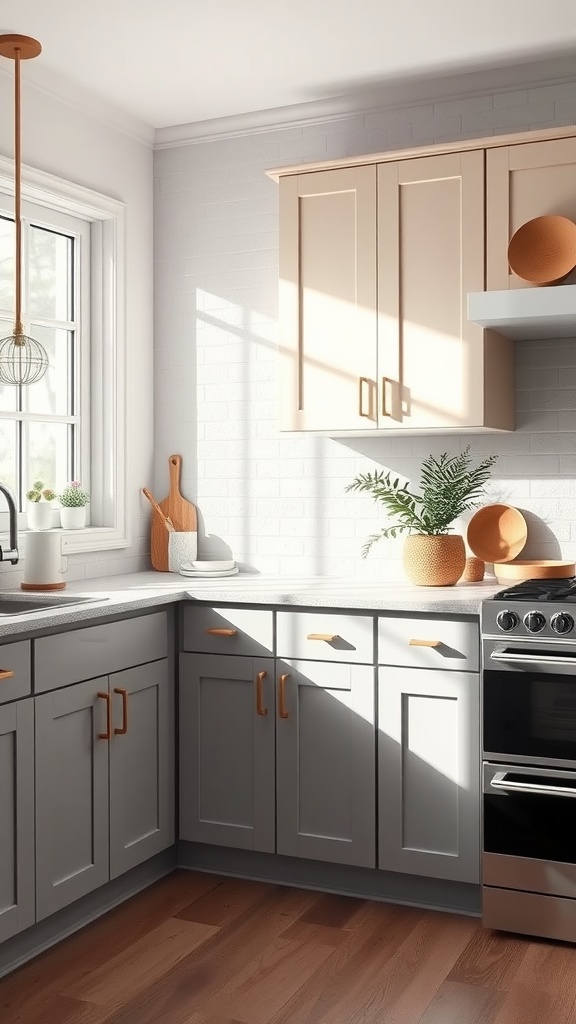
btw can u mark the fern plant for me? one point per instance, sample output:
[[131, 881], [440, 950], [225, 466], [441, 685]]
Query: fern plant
[[450, 485]]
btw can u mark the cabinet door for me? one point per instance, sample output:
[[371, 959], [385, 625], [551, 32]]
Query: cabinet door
[[226, 712], [430, 255], [328, 300], [523, 182], [429, 773], [141, 765], [16, 817], [71, 794], [326, 762]]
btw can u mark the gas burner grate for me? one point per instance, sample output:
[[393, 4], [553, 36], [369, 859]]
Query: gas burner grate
[[540, 590]]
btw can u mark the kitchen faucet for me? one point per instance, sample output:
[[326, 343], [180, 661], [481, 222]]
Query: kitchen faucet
[[12, 554]]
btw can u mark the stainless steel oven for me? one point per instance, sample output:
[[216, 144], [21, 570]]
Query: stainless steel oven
[[529, 786]]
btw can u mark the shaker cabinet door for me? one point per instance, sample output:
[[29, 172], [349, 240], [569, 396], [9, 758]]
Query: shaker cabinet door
[[17, 908], [429, 772], [71, 794], [328, 300], [326, 762], [226, 715], [141, 765]]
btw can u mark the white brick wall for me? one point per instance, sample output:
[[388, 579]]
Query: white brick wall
[[278, 502]]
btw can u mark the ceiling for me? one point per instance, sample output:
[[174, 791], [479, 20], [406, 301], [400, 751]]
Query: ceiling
[[173, 62]]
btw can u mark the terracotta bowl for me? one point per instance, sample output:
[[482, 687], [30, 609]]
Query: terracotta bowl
[[534, 569], [497, 533], [543, 250]]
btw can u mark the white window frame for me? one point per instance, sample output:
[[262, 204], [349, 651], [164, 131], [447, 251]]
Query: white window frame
[[107, 428]]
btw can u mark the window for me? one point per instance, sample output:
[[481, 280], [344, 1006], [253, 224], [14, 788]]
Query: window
[[44, 428], [71, 423]]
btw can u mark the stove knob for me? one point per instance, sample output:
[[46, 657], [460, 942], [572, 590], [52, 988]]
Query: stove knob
[[506, 620], [561, 622], [534, 622]]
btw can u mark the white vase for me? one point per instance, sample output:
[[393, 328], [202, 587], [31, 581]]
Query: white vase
[[73, 518], [39, 515]]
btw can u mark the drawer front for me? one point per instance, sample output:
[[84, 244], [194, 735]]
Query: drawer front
[[323, 636], [248, 631], [99, 650], [16, 658], [429, 643]]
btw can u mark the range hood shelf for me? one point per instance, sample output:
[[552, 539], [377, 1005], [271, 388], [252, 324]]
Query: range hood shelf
[[526, 314]]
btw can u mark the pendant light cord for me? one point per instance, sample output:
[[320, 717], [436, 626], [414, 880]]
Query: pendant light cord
[[18, 326]]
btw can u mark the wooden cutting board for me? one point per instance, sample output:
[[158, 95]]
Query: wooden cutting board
[[182, 513]]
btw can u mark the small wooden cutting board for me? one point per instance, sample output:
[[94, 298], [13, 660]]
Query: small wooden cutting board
[[182, 513]]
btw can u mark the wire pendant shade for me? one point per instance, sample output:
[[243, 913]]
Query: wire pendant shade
[[23, 360]]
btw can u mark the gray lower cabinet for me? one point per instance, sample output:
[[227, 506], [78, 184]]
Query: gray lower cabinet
[[226, 714], [326, 762], [16, 817], [429, 764], [293, 775], [104, 781]]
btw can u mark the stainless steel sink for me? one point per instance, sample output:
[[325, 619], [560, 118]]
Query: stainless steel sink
[[21, 604]]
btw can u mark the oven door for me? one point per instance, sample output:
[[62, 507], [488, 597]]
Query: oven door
[[529, 702], [529, 824]]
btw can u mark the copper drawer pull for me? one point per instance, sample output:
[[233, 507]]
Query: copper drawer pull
[[384, 411], [221, 632], [361, 382], [106, 735], [424, 643], [6, 673], [260, 709], [328, 637], [124, 727], [282, 713]]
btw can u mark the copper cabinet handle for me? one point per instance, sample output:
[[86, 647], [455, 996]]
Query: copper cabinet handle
[[6, 673], [424, 643], [260, 709], [282, 713], [361, 382], [214, 631], [124, 727], [384, 411], [328, 637], [106, 696]]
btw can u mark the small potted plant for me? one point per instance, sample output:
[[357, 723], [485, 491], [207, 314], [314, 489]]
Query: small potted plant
[[73, 500], [39, 506], [450, 486]]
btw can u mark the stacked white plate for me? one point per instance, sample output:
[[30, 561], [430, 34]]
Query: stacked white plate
[[203, 569]]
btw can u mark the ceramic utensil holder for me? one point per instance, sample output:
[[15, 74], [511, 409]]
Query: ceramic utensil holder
[[182, 547], [44, 562]]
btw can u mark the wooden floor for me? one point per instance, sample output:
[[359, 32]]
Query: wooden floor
[[201, 949]]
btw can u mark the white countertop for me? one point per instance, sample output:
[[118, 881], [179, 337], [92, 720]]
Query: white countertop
[[118, 594]]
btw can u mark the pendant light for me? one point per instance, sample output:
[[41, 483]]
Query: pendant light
[[22, 359]]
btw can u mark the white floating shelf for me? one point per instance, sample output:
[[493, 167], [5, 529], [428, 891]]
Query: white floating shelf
[[526, 314]]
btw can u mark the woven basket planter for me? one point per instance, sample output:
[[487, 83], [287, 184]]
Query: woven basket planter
[[436, 561]]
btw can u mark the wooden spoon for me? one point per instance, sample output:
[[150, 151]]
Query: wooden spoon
[[156, 507]]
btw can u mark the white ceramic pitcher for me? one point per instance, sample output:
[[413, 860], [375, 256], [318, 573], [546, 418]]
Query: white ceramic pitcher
[[44, 562]]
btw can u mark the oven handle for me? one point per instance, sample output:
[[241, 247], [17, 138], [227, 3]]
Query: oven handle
[[498, 781], [531, 659]]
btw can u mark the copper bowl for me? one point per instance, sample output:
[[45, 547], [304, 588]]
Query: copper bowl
[[543, 250], [497, 533]]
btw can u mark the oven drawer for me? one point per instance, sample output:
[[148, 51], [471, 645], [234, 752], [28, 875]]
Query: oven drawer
[[531, 913], [549, 877], [429, 642]]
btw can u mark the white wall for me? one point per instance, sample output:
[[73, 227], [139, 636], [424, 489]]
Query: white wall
[[278, 502], [59, 139]]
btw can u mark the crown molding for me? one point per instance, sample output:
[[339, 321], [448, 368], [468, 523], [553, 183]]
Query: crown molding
[[372, 97], [87, 103]]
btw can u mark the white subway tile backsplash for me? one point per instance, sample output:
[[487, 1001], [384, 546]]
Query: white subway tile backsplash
[[277, 501]]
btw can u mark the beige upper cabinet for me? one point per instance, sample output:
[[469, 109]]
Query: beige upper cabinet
[[522, 182], [375, 265], [328, 300]]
